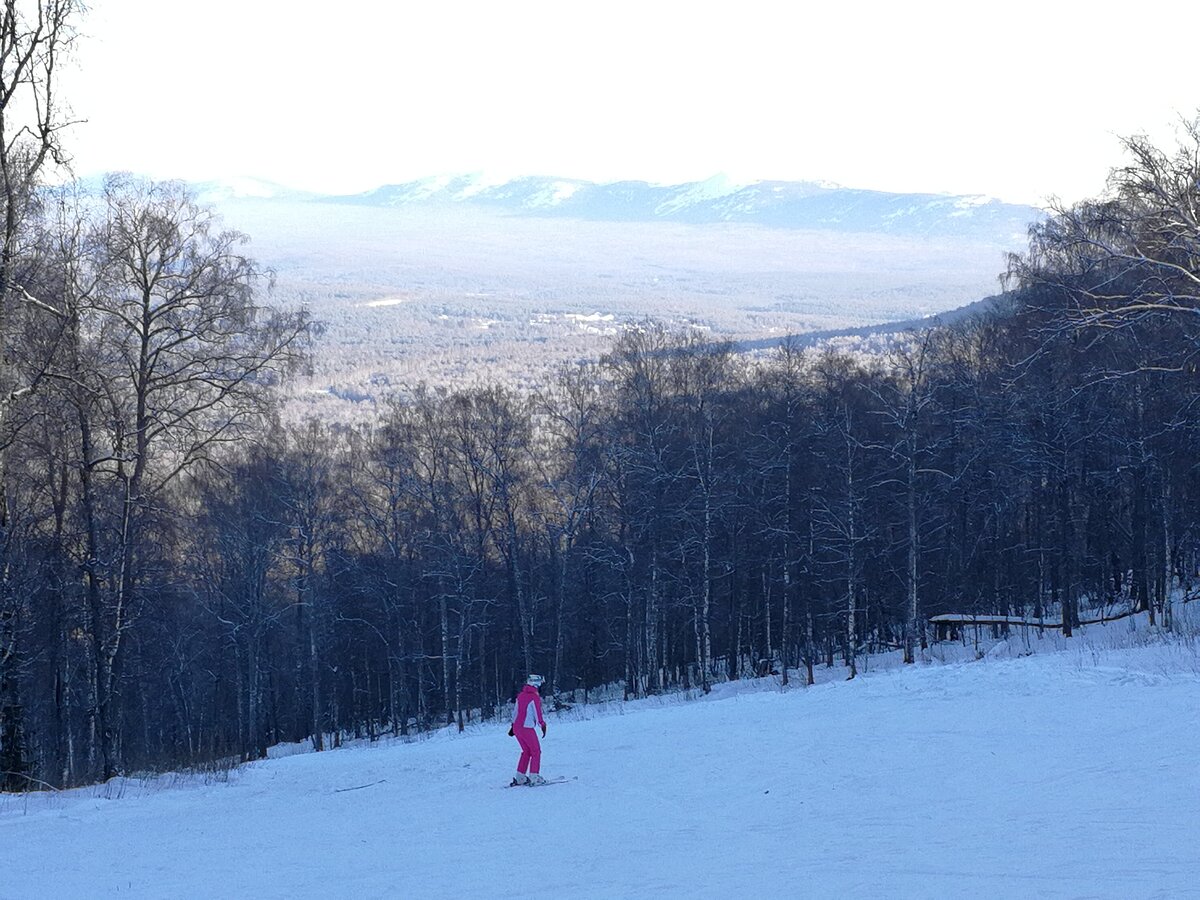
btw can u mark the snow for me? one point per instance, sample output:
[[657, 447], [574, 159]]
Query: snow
[[249, 187], [430, 186], [243, 187], [593, 323], [1069, 772], [478, 182], [552, 194], [714, 188]]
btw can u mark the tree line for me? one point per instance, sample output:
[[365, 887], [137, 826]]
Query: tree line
[[187, 577]]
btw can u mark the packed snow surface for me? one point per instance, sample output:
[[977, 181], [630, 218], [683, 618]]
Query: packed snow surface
[[1061, 774]]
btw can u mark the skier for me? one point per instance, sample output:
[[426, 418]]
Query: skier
[[529, 715]]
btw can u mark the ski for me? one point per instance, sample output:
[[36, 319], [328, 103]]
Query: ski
[[359, 787], [559, 780]]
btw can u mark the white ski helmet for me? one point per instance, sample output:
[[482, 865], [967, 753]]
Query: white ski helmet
[[535, 680]]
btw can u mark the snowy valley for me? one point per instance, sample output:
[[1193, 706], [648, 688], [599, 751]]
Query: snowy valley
[[458, 279]]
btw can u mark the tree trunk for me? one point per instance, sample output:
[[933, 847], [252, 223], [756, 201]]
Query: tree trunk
[[1168, 618], [653, 670], [913, 621], [851, 565], [444, 643], [559, 636]]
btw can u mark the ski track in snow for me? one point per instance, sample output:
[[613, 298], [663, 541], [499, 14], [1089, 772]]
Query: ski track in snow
[[1040, 776]]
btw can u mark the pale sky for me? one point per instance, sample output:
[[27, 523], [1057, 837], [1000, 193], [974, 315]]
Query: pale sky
[[1020, 100]]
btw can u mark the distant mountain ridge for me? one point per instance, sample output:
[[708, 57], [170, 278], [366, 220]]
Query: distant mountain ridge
[[717, 200], [777, 204]]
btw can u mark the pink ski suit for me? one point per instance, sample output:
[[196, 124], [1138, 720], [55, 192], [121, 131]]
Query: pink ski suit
[[526, 719]]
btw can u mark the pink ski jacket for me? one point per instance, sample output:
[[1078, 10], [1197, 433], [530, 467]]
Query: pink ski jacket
[[529, 709]]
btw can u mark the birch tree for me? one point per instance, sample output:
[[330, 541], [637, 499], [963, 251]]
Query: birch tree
[[36, 36], [188, 353]]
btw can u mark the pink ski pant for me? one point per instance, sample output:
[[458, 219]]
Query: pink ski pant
[[531, 750]]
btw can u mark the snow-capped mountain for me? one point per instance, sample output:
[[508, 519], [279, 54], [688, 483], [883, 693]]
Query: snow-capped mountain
[[246, 188], [778, 204]]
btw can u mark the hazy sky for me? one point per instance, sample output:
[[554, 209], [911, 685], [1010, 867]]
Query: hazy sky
[[1020, 99]]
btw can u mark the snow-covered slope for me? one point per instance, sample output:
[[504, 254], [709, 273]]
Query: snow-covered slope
[[1058, 774]]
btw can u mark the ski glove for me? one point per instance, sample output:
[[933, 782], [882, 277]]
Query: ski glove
[[543, 729], [510, 731]]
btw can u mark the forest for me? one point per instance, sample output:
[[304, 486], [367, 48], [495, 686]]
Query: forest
[[187, 578]]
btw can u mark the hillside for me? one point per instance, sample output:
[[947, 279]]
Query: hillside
[[1068, 772]]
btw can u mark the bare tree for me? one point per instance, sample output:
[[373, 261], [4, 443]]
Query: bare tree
[[308, 481], [906, 402], [35, 36], [841, 498], [571, 469], [187, 353], [1131, 257]]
